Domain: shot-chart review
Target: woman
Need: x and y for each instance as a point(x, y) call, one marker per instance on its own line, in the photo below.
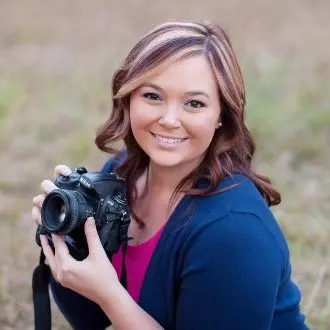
point(207, 252)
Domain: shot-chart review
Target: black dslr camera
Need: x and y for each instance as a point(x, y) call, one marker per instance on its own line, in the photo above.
point(82, 195)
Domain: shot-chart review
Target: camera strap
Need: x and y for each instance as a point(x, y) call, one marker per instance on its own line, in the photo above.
point(40, 291)
point(40, 288)
point(124, 239)
point(123, 277)
point(41, 299)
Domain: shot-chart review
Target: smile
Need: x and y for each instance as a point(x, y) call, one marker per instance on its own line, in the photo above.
point(168, 139)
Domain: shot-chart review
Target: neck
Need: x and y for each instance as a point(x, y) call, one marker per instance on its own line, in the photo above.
point(156, 187)
point(166, 179)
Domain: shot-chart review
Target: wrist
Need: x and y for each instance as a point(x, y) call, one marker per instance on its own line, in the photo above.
point(119, 307)
point(124, 312)
point(110, 294)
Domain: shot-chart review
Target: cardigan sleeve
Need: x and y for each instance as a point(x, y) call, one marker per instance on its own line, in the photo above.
point(230, 276)
point(113, 162)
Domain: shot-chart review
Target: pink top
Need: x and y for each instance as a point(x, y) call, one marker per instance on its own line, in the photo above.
point(137, 260)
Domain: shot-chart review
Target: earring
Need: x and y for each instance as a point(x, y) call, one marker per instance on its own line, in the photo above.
point(219, 124)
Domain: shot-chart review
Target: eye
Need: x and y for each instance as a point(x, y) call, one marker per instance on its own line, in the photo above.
point(196, 104)
point(151, 96)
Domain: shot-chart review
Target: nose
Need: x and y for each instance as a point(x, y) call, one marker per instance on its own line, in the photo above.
point(170, 118)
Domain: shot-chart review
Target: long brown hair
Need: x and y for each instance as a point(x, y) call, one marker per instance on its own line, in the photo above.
point(232, 147)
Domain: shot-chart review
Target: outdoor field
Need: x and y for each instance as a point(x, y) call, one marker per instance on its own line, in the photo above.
point(56, 63)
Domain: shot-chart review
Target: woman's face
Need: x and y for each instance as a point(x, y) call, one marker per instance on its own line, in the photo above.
point(174, 115)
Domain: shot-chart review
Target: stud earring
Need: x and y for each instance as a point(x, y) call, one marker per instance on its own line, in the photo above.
point(219, 124)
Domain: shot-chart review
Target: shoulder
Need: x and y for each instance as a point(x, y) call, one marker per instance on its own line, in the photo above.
point(115, 161)
point(234, 194)
point(236, 216)
point(236, 241)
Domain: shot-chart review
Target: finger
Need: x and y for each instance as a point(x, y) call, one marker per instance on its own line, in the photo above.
point(93, 239)
point(38, 200)
point(36, 216)
point(61, 249)
point(62, 169)
point(64, 261)
point(47, 186)
point(48, 252)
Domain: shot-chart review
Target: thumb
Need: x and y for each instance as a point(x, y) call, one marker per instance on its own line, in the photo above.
point(92, 236)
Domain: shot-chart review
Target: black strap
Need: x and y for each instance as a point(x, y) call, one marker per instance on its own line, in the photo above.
point(123, 277)
point(41, 277)
point(40, 291)
point(124, 239)
point(41, 300)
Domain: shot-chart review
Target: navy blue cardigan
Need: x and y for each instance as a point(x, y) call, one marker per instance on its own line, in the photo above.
point(223, 263)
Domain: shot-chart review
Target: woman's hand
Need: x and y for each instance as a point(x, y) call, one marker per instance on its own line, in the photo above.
point(90, 277)
point(94, 277)
point(46, 187)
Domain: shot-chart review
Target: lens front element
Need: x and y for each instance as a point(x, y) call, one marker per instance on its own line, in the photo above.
point(60, 211)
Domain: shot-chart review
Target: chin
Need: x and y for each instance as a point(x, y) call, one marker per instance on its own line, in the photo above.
point(166, 159)
point(174, 160)
point(166, 162)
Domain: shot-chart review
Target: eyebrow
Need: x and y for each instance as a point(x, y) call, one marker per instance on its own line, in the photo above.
point(191, 93)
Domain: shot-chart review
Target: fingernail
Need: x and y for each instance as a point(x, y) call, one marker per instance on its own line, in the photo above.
point(66, 171)
point(90, 222)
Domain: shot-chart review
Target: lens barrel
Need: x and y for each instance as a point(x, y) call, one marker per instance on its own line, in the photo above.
point(62, 211)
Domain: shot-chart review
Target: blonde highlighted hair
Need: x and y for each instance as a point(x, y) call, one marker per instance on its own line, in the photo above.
point(232, 147)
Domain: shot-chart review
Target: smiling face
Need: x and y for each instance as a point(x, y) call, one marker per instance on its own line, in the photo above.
point(174, 115)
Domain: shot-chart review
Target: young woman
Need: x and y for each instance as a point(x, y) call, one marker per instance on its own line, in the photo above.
point(206, 252)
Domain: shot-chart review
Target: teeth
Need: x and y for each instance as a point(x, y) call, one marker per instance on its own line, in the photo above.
point(167, 139)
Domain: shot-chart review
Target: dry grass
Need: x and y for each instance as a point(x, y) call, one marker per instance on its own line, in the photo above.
point(56, 61)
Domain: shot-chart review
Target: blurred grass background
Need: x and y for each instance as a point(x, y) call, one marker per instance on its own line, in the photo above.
point(56, 63)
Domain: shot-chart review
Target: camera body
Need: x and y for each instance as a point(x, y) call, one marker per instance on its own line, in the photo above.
point(81, 195)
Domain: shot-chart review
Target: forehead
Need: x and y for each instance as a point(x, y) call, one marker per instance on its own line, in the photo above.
point(194, 73)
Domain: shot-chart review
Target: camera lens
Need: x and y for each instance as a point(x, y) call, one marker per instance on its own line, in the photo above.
point(62, 214)
point(60, 211)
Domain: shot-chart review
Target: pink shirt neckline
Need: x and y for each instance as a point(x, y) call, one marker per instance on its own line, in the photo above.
point(137, 260)
point(147, 241)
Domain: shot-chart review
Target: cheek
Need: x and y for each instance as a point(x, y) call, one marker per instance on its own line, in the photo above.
point(202, 131)
point(205, 136)
point(135, 113)
point(140, 117)
point(139, 122)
